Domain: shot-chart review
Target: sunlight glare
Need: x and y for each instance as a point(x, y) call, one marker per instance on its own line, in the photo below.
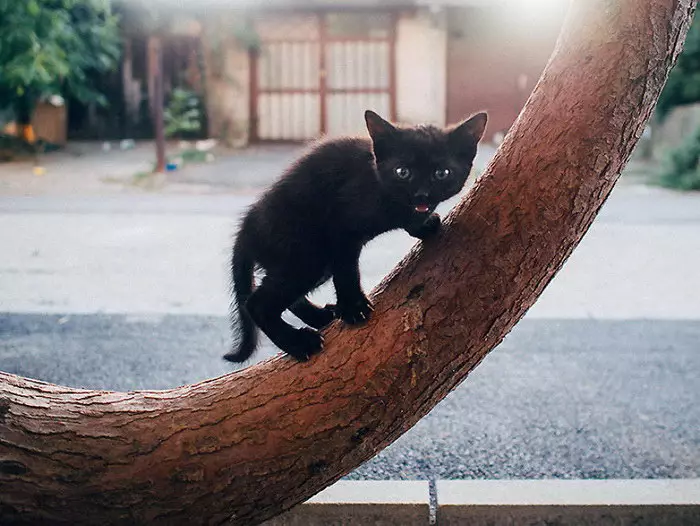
point(533, 12)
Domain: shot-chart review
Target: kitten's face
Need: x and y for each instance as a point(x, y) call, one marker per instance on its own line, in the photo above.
point(421, 167)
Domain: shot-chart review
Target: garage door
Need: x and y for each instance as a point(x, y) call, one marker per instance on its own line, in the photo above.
point(316, 74)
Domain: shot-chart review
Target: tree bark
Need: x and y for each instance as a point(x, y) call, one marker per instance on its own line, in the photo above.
point(244, 447)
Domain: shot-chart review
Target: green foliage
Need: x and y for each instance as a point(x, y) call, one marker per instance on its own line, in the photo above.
point(183, 114)
point(683, 86)
point(682, 169)
point(49, 47)
point(192, 155)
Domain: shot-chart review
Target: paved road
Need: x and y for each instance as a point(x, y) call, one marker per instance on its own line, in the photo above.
point(559, 398)
point(168, 254)
point(599, 380)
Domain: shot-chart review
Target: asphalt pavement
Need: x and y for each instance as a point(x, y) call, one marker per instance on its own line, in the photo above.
point(558, 398)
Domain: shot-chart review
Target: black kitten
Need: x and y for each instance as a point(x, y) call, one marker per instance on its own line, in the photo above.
point(312, 224)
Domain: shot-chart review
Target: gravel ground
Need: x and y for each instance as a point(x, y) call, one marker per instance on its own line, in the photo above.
point(558, 398)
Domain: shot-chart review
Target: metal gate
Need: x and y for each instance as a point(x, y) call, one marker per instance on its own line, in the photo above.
point(316, 74)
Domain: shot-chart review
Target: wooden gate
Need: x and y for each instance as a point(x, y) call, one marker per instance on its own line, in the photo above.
point(316, 74)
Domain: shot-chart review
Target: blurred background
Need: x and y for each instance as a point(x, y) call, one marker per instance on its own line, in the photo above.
point(134, 135)
point(290, 70)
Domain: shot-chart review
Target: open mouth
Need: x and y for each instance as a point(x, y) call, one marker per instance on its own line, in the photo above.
point(422, 208)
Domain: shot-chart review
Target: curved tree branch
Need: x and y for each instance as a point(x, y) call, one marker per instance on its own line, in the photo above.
point(244, 447)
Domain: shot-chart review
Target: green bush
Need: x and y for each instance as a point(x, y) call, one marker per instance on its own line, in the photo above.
point(183, 115)
point(683, 86)
point(682, 169)
point(52, 47)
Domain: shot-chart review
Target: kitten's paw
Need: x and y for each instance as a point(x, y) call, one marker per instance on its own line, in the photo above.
point(428, 228)
point(304, 344)
point(355, 312)
point(328, 315)
point(432, 224)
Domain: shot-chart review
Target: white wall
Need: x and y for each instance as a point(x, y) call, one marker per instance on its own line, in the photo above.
point(421, 47)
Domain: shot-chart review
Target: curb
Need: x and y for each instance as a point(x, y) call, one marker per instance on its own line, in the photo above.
point(494, 502)
point(367, 502)
point(576, 502)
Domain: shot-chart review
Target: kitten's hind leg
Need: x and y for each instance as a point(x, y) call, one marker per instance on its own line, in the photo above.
point(311, 314)
point(266, 305)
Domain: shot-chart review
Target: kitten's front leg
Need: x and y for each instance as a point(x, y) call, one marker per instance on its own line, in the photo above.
point(352, 305)
point(425, 229)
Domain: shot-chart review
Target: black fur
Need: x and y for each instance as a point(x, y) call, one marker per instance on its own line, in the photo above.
point(311, 225)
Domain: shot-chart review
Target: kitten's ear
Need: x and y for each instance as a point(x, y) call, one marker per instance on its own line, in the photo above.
point(376, 126)
point(471, 129)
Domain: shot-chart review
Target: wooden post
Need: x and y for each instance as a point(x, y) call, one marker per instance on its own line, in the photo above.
point(155, 89)
point(127, 71)
point(392, 65)
point(323, 74)
point(253, 55)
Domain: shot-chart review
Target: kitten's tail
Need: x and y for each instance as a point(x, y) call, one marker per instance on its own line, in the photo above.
point(242, 266)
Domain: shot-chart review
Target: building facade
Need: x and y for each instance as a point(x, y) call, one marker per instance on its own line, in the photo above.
point(295, 70)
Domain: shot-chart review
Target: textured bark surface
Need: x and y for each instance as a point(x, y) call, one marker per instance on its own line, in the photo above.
point(246, 446)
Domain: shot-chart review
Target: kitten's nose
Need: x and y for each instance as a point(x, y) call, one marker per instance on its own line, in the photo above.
point(421, 196)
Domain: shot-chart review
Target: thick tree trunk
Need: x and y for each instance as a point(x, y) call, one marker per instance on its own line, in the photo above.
point(246, 446)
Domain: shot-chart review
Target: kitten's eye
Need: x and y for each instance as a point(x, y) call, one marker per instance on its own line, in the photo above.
point(442, 173)
point(402, 172)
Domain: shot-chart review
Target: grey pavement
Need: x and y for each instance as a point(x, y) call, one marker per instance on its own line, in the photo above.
point(168, 254)
point(84, 169)
point(248, 169)
point(599, 380)
point(81, 168)
point(558, 398)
